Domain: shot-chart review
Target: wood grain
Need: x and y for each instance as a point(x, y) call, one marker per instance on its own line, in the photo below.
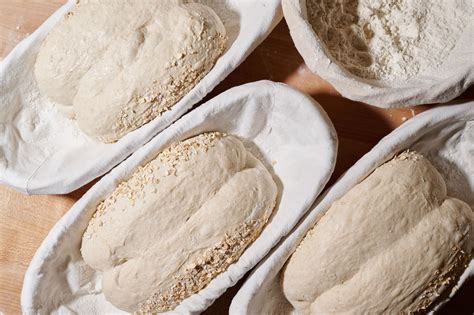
point(19, 18)
point(26, 220)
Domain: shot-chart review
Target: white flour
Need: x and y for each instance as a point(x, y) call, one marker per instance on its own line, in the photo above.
point(389, 40)
point(27, 135)
point(35, 128)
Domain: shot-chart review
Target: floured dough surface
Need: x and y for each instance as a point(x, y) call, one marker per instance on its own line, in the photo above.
point(179, 221)
point(116, 65)
point(394, 243)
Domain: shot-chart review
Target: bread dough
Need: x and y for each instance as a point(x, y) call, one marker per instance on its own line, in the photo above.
point(116, 65)
point(395, 243)
point(180, 220)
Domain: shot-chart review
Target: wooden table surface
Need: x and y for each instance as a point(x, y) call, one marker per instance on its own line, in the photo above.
point(26, 220)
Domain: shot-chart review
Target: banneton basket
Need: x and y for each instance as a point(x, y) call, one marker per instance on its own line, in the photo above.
point(284, 128)
point(43, 152)
point(442, 84)
point(445, 135)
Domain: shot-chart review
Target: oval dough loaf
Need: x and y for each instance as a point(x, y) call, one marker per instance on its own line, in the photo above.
point(116, 65)
point(179, 221)
point(395, 243)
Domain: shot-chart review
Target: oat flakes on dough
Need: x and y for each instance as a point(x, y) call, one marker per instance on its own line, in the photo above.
point(178, 222)
point(116, 65)
point(404, 243)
